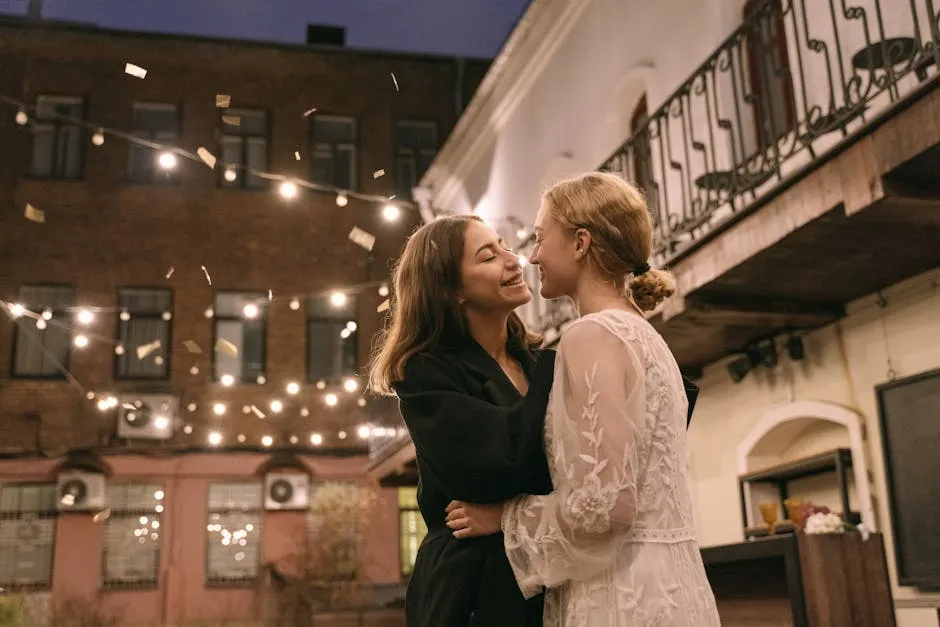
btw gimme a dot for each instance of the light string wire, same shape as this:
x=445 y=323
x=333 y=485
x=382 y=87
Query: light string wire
x=182 y=152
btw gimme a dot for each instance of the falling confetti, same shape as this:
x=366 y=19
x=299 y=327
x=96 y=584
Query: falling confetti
x=362 y=238
x=206 y=272
x=146 y=349
x=223 y=101
x=384 y=306
x=207 y=157
x=309 y=111
x=170 y=272
x=192 y=347
x=270 y=294
x=394 y=80
x=257 y=412
x=378 y=174
x=231 y=120
x=34 y=214
x=102 y=516
x=226 y=347
x=297 y=155
x=135 y=70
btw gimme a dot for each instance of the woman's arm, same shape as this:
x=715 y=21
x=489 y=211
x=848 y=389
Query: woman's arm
x=464 y=441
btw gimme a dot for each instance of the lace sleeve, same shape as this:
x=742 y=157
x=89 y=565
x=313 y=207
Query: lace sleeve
x=597 y=414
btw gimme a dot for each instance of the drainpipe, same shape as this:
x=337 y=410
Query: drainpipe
x=422 y=196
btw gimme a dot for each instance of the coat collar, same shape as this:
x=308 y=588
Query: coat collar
x=481 y=365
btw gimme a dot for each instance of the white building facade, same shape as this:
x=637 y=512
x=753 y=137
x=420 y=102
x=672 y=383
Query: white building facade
x=789 y=152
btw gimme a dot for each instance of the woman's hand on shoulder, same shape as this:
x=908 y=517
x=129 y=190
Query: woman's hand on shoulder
x=471 y=521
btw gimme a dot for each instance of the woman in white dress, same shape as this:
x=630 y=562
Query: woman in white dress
x=615 y=542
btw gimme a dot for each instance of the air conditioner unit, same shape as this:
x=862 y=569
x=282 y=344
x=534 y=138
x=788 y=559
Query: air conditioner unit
x=147 y=416
x=80 y=492
x=286 y=491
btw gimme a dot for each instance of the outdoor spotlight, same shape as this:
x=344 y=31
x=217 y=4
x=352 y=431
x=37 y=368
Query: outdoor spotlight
x=795 y=348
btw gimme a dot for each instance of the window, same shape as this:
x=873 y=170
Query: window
x=769 y=69
x=132 y=535
x=41 y=347
x=333 y=151
x=244 y=145
x=57 y=142
x=233 y=532
x=411 y=527
x=332 y=338
x=27 y=534
x=158 y=123
x=145 y=318
x=643 y=157
x=415 y=145
x=240 y=320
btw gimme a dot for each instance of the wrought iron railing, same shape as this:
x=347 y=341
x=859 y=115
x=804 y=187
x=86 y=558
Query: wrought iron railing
x=792 y=82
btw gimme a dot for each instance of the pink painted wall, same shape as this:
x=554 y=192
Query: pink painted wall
x=182 y=595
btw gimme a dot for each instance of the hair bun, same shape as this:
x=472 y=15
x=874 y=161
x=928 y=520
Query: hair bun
x=651 y=288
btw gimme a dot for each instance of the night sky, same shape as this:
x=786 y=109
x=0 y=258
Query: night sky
x=462 y=27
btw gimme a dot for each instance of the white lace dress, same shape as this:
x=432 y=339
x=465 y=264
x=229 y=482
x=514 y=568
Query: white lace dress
x=614 y=543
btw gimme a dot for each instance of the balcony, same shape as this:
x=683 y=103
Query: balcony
x=794 y=171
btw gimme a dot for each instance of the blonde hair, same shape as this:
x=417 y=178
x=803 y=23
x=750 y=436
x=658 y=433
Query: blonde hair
x=425 y=304
x=616 y=215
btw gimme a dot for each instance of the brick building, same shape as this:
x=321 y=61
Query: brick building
x=140 y=245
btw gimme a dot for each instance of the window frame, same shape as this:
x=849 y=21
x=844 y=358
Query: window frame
x=59 y=375
x=313 y=145
x=410 y=152
x=216 y=318
x=52 y=514
x=402 y=511
x=130 y=514
x=156 y=177
x=167 y=353
x=340 y=320
x=242 y=180
x=57 y=126
x=258 y=510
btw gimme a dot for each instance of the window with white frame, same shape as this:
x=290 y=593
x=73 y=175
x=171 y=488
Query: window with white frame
x=233 y=533
x=159 y=123
x=415 y=146
x=332 y=338
x=27 y=535
x=240 y=322
x=411 y=527
x=333 y=150
x=43 y=338
x=58 y=150
x=145 y=318
x=132 y=535
x=244 y=148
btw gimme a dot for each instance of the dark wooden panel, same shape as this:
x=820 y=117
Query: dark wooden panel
x=752 y=592
x=909 y=412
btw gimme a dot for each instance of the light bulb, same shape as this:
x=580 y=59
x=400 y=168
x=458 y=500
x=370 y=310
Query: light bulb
x=364 y=432
x=86 y=317
x=250 y=311
x=227 y=380
x=351 y=325
x=166 y=315
x=40 y=324
x=331 y=399
x=21 y=117
x=98 y=138
x=344 y=333
x=361 y=402
x=342 y=200
x=321 y=384
x=167 y=160
x=288 y=190
x=341 y=435
x=316 y=439
x=161 y=422
x=17 y=310
x=294 y=439
x=215 y=438
x=391 y=212
x=194 y=370
x=81 y=341
x=119 y=350
x=188 y=429
x=47 y=314
x=208 y=313
x=218 y=409
x=191 y=407
x=267 y=440
x=294 y=304
x=293 y=388
x=338 y=299
x=230 y=175
x=383 y=290
x=261 y=379
x=350 y=385
x=304 y=412
x=276 y=406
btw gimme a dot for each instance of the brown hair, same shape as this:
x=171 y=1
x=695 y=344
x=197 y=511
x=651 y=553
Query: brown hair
x=616 y=215
x=425 y=307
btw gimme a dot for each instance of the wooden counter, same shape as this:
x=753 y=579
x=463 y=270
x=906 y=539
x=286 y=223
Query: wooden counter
x=802 y=581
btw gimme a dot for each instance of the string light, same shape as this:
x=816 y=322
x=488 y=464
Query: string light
x=98 y=137
x=250 y=311
x=342 y=200
x=383 y=290
x=350 y=385
x=288 y=190
x=214 y=438
x=331 y=399
x=21 y=117
x=230 y=175
x=338 y=299
x=40 y=324
x=293 y=388
x=81 y=341
x=277 y=406
x=227 y=380
x=16 y=310
x=267 y=440
x=391 y=212
x=218 y=409
x=85 y=316
x=167 y=160
x=316 y=439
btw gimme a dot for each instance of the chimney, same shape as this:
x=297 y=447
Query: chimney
x=321 y=35
x=34 y=12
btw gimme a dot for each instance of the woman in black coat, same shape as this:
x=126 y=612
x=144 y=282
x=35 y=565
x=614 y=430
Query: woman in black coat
x=462 y=363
